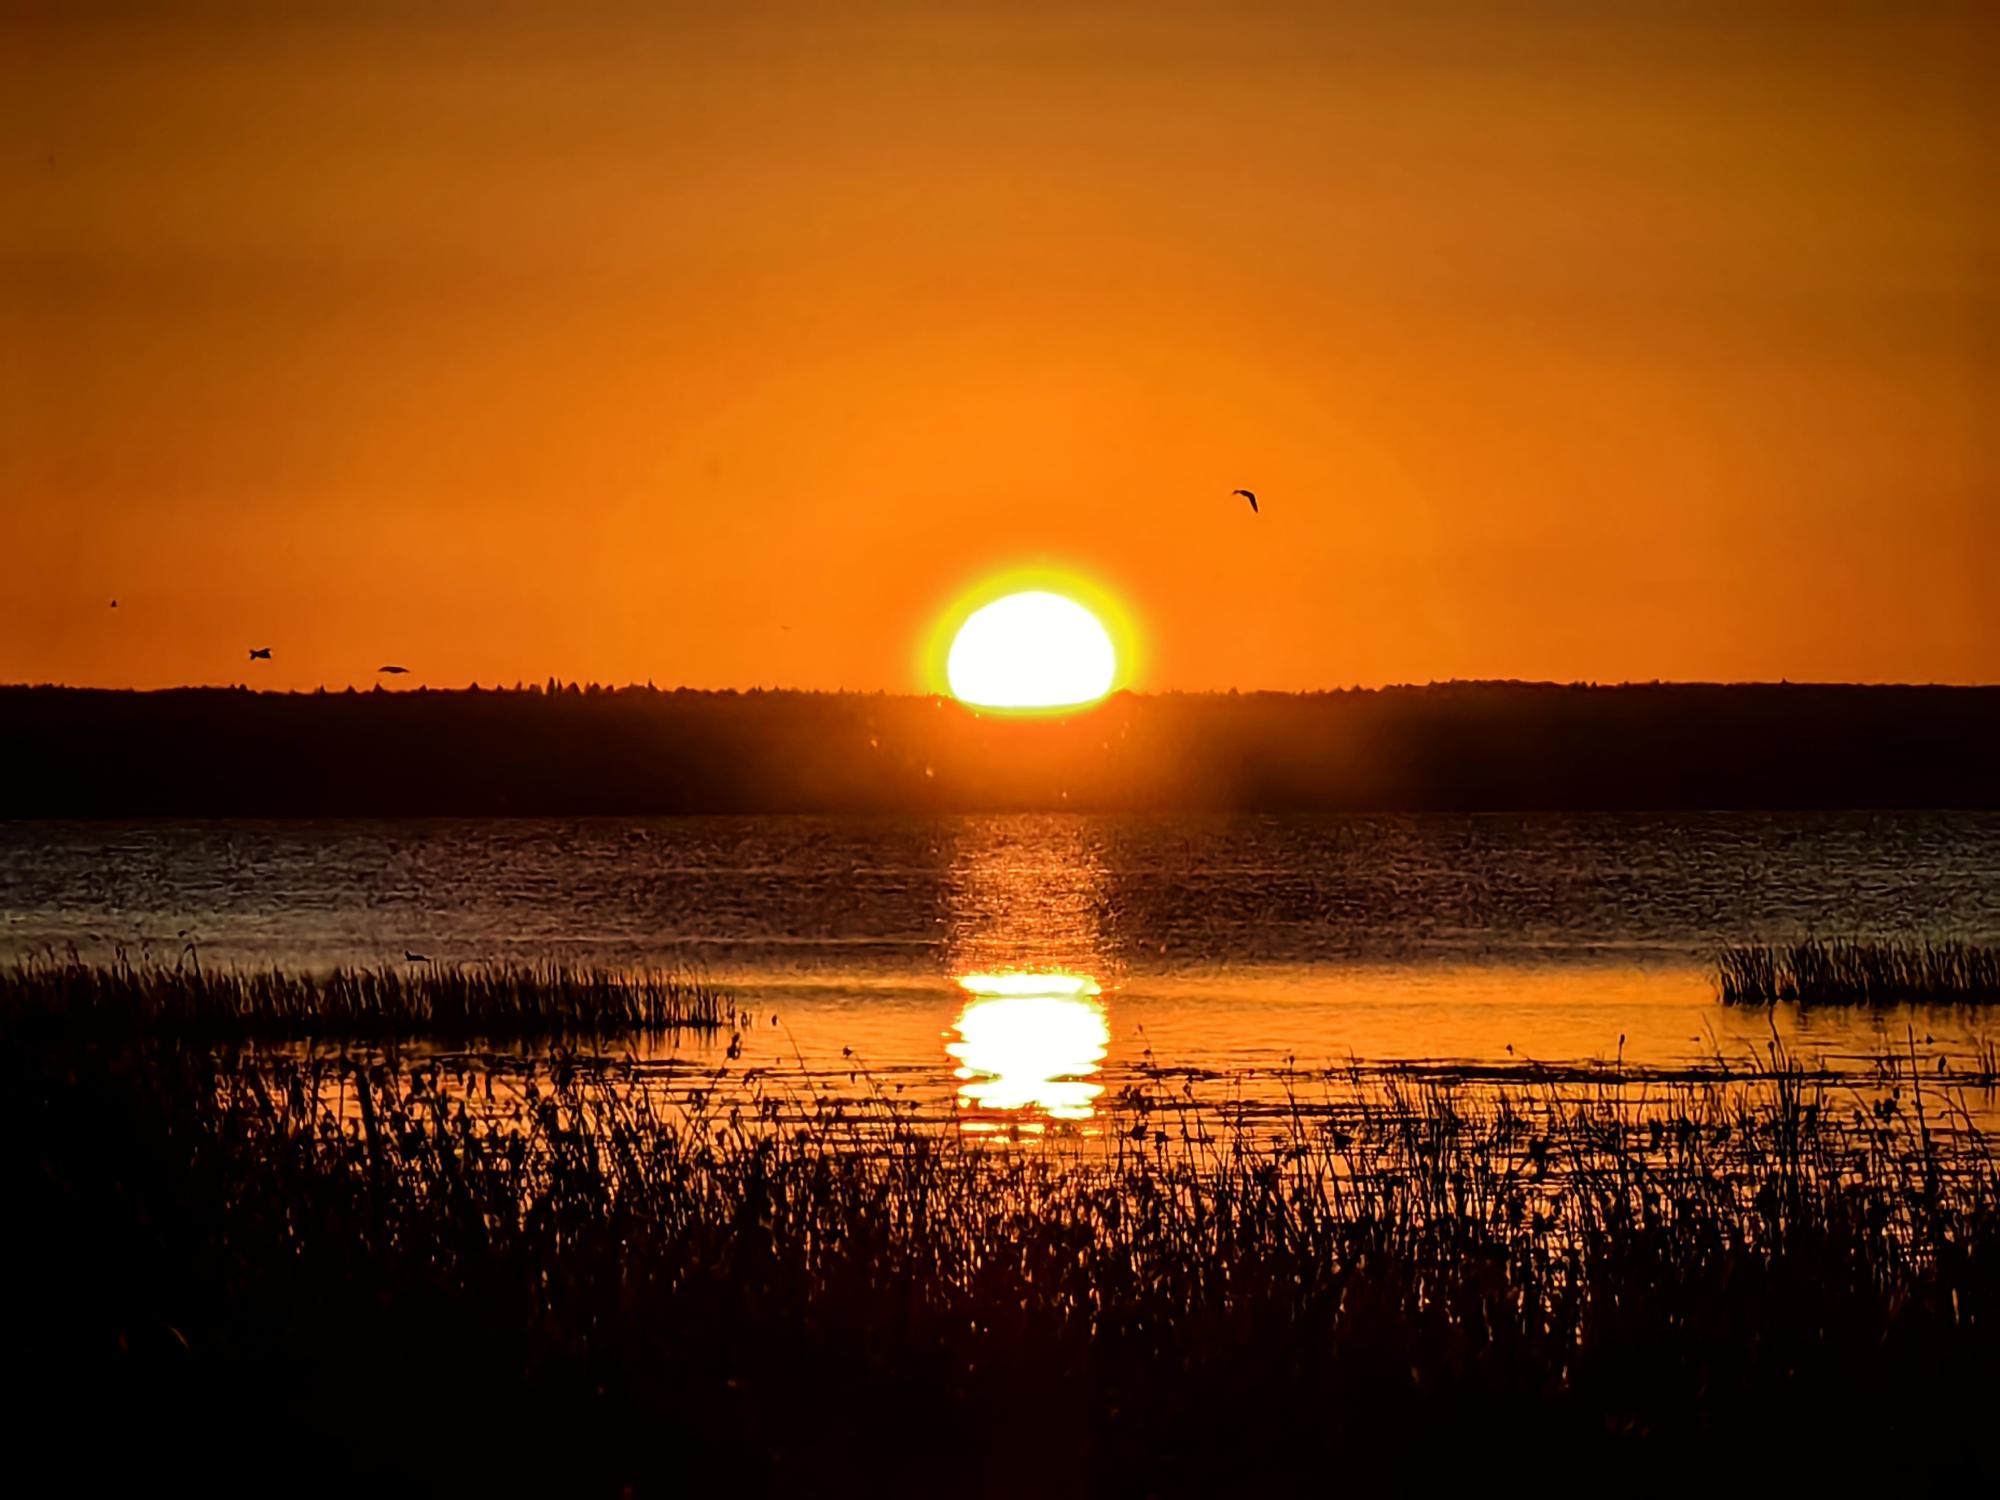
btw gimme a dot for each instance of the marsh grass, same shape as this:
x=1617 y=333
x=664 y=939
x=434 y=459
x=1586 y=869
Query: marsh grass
x=407 y=1270
x=1818 y=971
x=429 y=1001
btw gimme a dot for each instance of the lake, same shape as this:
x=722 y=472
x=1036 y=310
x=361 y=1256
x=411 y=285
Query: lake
x=1019 y=966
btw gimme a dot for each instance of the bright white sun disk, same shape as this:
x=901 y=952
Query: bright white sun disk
x=1031 y=650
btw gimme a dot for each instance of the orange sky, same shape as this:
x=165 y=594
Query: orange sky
x=606 y=340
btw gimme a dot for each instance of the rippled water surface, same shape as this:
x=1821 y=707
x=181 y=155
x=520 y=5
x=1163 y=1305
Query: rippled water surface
x=1024 y=961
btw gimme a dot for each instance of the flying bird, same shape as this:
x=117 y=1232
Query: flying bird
x=415 y=958
x=1250 y=495
x=394 y=671
x=260 y=653
x=114 y=603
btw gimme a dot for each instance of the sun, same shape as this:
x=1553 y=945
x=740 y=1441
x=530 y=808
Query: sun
x=1031 y=650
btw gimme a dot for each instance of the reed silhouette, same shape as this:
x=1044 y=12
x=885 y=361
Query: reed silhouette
x=1819 y=971
x=383 y=1264
x=437 y=1002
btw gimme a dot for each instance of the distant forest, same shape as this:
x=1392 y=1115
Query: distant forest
x=561 y=749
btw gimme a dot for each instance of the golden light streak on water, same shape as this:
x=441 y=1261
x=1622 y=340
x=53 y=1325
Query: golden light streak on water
x=1029 y=1048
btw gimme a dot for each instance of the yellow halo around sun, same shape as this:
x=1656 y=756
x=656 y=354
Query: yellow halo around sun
x=1033 y=650
x=1031 y=640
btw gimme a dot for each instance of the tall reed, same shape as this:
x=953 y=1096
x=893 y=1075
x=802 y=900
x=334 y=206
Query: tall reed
x=431 y=1001
x=1821 y=971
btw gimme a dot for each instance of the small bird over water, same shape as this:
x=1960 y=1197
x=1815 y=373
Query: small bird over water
x=415 y=958
x=394 y=671
x=260 y=653
x=1250 y=495
x=114 y=603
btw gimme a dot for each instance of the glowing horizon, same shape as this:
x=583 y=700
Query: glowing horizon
x=718 y=346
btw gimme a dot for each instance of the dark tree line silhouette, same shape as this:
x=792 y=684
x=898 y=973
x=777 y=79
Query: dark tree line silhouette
x=570 y=749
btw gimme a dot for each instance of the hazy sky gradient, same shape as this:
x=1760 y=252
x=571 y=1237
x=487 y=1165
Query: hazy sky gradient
x=1574 y=340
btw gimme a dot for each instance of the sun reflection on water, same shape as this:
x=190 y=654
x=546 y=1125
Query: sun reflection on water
x=1026 y=948
x=1028 y=1049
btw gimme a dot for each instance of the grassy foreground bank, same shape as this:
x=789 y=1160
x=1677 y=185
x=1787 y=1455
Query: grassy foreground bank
x=260 y=1269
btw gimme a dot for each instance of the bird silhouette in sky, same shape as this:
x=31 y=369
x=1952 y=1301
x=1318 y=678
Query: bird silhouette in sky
x=260 y=653
x=114 y=603
x=1250 y=495
x=415 y=958
x=394 y=671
